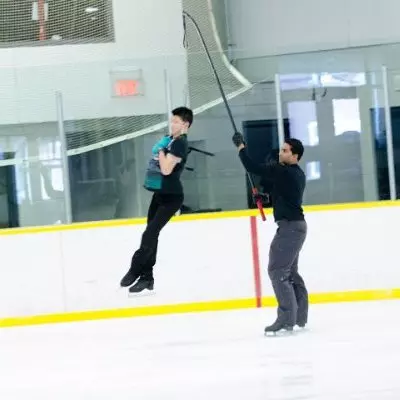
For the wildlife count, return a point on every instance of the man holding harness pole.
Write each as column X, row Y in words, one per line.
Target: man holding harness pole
column 287, row 181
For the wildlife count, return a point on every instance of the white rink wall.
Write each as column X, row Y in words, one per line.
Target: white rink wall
column 345, row 250
column 204, row 260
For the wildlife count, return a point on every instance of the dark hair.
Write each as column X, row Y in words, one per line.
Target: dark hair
column 296, row 147
column 186, row 114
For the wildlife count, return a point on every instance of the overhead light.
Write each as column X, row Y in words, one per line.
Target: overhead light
column 91, row 9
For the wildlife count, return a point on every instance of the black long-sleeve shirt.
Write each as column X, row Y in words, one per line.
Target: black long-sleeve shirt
column 287, row 183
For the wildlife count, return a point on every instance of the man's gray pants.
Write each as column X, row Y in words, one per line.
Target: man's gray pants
column 288, row 285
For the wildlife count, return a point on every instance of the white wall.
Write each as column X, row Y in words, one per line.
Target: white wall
column 267, row 27
column 146, row 33
column 80, row 269
column 344, row 251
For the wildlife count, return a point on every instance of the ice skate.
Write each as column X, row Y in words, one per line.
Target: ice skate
column 133, row 273
column 278, row 329
column 141, row 285
column 129, row 279
column 300, row 327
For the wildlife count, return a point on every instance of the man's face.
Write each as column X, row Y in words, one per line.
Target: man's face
column 178, row 126
column 286, row 156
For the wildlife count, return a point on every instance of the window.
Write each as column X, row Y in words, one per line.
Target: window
column 313, row 170
column 55, row 21
column 346, row 114
column 303, row 122
column 19, row 144
column 52, row 183
column 321, row 80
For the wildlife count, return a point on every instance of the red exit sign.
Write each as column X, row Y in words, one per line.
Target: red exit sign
column 126, row 87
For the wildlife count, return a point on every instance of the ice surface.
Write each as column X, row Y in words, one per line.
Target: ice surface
column 351, row 351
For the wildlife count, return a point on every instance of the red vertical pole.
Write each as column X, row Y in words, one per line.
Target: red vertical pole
column 256, row 260
column 42, row 20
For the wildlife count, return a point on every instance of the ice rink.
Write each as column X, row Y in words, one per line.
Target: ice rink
column 351, row 351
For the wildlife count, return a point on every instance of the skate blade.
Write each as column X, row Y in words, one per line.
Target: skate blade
column 280, row 333
column 143, row 293
column 120, row 288
column 300, row 330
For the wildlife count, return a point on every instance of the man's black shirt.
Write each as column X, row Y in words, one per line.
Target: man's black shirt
column 286, row 184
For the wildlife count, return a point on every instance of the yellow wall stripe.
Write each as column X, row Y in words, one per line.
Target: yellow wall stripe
column 193, row 217
column 361, row 295
column 219, row 305
column 338, row 297
column 129, row 312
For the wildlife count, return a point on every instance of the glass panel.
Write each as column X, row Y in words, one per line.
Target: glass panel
column 218, row 182
column 376, row 164
column 331, row 114
column 394, row 103
column 30, row 164
column 110, row 136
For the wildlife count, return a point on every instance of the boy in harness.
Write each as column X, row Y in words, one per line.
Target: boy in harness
column 163, row 179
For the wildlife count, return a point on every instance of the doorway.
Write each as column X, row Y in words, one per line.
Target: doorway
column 9, row 217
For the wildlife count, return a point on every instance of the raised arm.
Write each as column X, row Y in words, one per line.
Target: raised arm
column 252, row 167
column 263, row 170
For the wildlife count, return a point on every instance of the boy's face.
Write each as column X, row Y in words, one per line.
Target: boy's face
column 178, row 126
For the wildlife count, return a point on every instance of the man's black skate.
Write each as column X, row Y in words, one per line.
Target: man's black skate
column 278, row 329
column 142, row 284
column 300, row 327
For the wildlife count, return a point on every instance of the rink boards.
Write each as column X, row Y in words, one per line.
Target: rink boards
column 206, row 262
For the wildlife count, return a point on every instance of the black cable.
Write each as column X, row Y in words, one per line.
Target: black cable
column 213, row 68
column 207, row 153
column 257, row 197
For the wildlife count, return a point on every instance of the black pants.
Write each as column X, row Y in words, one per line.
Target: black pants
column 288, row 285
column 162, row 208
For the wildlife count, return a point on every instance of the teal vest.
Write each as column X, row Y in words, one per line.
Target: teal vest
column 154, row 177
